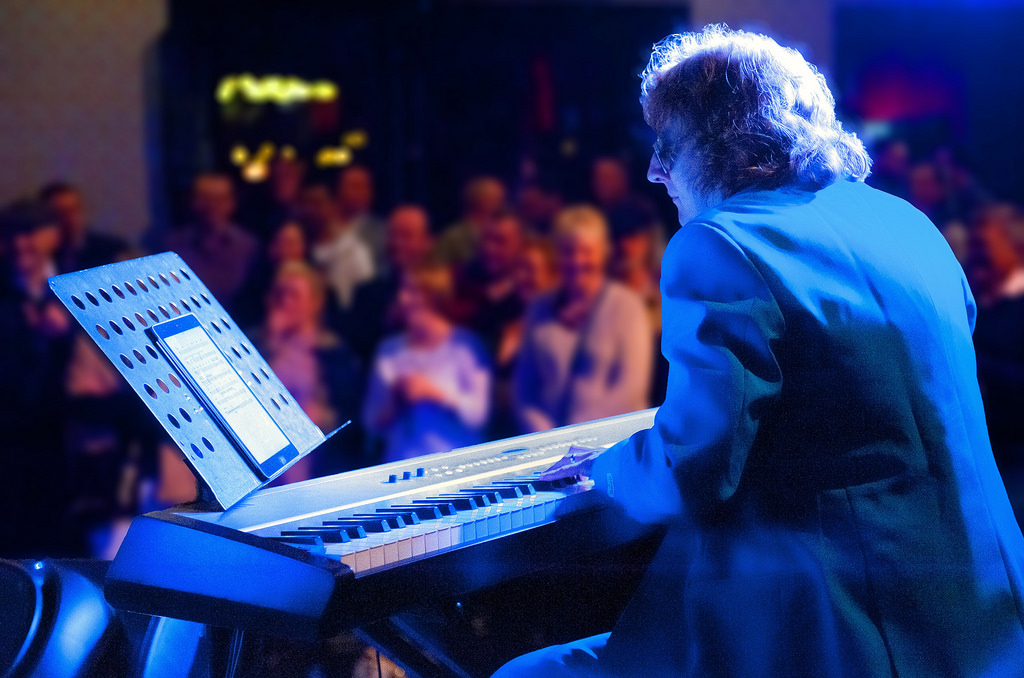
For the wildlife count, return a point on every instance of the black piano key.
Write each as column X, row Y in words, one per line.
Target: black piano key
column 525, row 487
column 510, row 491
column 329, row 535
column 462, row 503
column 410, row 517
column 354, row 532
column 481, row 498
column 423, row 511
column 368, row 524
column 314, row 540
column 492, row 495
column 445, row 507
column 395, row 521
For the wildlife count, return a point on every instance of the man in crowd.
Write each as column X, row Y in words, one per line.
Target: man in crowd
column 355, row 204
column 372, row 315
column 80, row 246
column 220, row 251
column 482, row 198
column 821, row 457
column 335, row 247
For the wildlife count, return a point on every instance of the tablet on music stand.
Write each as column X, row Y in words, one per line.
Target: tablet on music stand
column 126, row 307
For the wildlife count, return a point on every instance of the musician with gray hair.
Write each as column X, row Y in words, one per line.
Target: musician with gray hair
column 821, row 458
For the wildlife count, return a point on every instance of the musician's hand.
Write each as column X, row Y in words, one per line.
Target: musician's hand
column 576, row 462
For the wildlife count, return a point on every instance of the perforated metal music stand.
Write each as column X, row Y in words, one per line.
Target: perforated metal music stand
column 116, row 303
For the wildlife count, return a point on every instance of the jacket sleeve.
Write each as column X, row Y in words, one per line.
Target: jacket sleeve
column 720, row 321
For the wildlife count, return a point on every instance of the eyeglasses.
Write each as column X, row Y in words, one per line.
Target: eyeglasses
column 659, row 148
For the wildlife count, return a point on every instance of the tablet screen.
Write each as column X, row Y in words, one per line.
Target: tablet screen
column 226, row 391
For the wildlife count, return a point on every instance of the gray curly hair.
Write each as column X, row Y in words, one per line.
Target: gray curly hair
column 748, row 111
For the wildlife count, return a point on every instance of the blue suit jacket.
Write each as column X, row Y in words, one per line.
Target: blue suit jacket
column 822, row 454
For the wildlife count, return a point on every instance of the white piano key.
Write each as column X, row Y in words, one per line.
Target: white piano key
column 516, row 517
column 390, row 552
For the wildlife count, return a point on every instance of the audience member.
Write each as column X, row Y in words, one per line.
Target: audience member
column 373, row 314
column 288, row 243
column 632, row 265
column 535, row 274
column 355, row 204
column 487, row 299
column 336, row 249
column 626, row 212
column 276, row 201
column 586, row 350
column 537, row 203
column 80, row 246
column 482, row 198
column 221, row 252
column 429, row 386
column 312, row 362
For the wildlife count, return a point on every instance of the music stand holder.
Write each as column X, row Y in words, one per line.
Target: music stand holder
column 115, row 304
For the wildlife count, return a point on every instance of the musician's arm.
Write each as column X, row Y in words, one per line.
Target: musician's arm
column 719, row 322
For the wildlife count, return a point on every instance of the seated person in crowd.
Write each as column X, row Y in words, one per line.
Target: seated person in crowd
column 482, row 198
column 220, row 251
column 373, row 314
column 313, row 364
column 355, row 207
column 586, row 348
column 275, row 201
column 537, row 203
column 429, row 387
column 535, row 274
column 81, row 247
column 487, row 296
column 626, row 211
column 633, row 265
column 335, row 247
column 286, row 244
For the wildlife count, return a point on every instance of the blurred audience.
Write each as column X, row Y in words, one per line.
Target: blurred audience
column 221, row 252
column 586, row 350
column 80, row 246
column 537, row 203
column 482, row 198
column 373, row 314
column 313, row 363
column 429, row 386
column 355, row 202
column 275, row 202
column 626, row 212
column 335, row 246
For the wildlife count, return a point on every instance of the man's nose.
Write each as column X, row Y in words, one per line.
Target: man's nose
column 655, row 172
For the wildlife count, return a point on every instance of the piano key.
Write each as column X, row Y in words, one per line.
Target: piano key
column 423, row 511
column 463, row 502
column 311, row 544
column 393, row 520
column 328, row 535
column 445, row 507
column 368, row 524
column 525, row 487
column 492, row 496
column 410, row 517
column 510, row 491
